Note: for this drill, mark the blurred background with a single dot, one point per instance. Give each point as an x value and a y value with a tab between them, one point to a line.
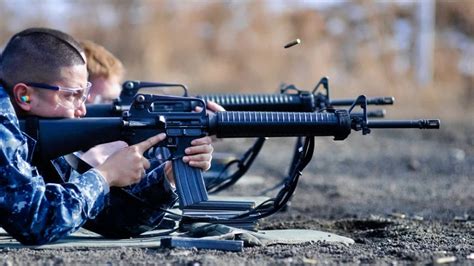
421	52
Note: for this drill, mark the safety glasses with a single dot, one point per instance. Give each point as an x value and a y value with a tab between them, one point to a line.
71	98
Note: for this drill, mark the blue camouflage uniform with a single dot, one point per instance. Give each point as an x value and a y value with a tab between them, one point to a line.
30	210
132	210
34	212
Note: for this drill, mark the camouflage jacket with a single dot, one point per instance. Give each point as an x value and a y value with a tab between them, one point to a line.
32	211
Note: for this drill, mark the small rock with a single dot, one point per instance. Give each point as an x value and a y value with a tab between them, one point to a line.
470	256
460	218
414	165
440	252
445	260
458	154
398	215
375	217
309	261
418	218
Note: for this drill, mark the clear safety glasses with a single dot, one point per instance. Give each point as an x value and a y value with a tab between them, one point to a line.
71	98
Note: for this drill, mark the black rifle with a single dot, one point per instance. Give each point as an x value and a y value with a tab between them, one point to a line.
152	114
290	99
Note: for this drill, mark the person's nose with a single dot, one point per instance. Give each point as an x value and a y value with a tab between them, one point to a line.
80	111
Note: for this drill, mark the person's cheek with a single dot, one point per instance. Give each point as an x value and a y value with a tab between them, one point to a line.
65	112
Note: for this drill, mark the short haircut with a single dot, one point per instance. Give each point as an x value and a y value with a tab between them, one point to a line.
101	62
37	55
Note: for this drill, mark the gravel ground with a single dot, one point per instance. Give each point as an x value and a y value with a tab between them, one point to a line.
404	196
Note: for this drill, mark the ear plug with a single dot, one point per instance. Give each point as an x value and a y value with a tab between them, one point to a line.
25	98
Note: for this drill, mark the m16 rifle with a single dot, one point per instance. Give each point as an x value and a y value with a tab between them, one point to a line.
290	99
151	114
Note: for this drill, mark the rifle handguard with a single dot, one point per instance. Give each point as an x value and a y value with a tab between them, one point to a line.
303	102
280	124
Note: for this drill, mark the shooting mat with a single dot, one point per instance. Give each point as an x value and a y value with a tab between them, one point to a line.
86	239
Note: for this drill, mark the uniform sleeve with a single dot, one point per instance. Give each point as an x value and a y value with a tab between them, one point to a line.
34	212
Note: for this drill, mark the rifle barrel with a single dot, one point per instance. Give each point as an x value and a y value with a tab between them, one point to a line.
421	123
370	101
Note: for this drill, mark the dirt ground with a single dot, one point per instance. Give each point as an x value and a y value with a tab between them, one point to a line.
404	196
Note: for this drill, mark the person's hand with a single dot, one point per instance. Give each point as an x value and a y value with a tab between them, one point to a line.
198	155
211	107
127	166
214	107
98	154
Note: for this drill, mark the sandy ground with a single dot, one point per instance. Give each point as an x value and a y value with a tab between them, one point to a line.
404	196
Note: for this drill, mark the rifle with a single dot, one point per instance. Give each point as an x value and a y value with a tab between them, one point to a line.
151	114
290	99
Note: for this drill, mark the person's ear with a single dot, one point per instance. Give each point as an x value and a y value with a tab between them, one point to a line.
22	95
